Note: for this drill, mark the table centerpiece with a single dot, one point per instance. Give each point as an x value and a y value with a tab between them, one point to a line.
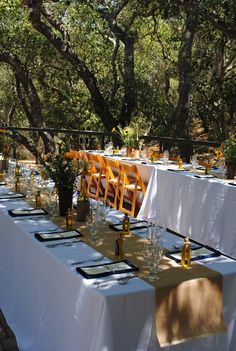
130	137
228	149
63	168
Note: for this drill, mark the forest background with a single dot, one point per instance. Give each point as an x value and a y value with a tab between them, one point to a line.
96	64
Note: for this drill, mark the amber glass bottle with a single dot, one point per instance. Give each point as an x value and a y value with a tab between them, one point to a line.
69	219
186	253
83	194
119	247
17	185
38	199
17	170
126	225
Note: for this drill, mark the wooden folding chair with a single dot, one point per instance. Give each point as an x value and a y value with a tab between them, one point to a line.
97	172
131	185
112	172
77	154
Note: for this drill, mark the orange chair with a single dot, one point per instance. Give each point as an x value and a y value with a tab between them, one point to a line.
77	154
97	173
112	172
131	185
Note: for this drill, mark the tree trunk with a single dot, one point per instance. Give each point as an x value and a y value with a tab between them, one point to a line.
48	29
31	107
181	119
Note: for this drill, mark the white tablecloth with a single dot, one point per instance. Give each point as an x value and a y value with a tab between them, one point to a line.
50	307
204	209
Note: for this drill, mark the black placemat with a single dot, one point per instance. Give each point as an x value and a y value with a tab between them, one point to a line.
196	254
106	269
178	170
27	212
11	196
136	225
62	235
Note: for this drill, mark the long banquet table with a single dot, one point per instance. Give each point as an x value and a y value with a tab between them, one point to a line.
190	204
201	208
50	307
193	205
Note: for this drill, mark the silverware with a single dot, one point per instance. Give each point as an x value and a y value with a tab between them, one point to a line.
45	231
68	243
28	217
121	281
88	260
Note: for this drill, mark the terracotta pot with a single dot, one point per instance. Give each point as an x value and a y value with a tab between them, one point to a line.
128	151
231	168
65	200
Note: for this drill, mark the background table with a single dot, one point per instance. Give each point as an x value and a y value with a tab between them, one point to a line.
204	209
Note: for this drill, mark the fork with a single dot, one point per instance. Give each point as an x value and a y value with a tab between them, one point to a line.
70	243
88	260
121	281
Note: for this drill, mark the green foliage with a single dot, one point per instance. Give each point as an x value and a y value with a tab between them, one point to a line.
229	150
62	167
157	29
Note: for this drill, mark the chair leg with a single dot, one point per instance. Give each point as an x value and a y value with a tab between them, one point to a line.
98	188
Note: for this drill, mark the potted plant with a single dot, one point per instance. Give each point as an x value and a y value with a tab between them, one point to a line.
62	167
229	152
83	204
130	136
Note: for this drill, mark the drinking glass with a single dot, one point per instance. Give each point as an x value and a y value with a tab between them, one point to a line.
154	253
93	225
222	168
151	224
166	156
194	161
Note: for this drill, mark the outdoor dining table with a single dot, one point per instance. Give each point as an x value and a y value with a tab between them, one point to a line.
189	202
50	306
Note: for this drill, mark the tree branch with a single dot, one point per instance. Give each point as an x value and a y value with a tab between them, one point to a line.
66	50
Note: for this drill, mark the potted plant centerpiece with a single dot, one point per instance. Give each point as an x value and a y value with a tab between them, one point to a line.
62	167
83	204
229	153
130	137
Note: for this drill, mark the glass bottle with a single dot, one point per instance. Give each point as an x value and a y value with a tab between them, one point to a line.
17	170
126	225
83	194
180	162
132	153
69	219
17	185
38	199
119	247
186	253
32	177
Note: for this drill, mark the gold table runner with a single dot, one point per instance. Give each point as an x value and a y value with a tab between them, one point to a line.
188	301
